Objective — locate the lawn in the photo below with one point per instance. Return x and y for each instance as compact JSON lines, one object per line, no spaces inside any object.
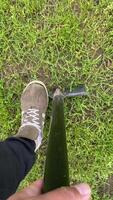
{"x":63,"y":43}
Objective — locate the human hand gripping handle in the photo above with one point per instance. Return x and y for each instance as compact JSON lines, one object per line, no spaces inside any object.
{"x":33,"y":192}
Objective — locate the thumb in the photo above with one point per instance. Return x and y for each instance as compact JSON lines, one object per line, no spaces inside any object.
{"x":77,"y":192}
{"x":33,"y":190}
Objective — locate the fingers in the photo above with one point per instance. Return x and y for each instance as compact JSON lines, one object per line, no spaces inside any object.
{"x":34,"y":189}
{"x":31,"y":191}
{"x":84,"y":190}
{"x":78,"y":192}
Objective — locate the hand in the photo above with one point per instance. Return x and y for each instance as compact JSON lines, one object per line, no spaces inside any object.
{"x":33,"y":192}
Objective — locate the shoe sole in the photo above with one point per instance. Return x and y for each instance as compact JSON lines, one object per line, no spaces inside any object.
{"x":39,"y":83}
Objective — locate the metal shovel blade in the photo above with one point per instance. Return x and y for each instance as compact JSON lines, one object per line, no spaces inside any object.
{"x":78,"y":91}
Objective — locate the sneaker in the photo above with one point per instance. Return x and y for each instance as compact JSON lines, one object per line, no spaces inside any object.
{"x":34,"y":102}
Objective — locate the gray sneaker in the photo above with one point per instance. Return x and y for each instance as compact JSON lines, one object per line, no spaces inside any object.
{"x":34,"y":102}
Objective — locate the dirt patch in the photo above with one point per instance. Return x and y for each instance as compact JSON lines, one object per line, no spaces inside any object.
{"x":96,"y":2}
{"x":76,"y":8}
{"x":44,"y":75}
{"x":106,"y":188}
{"x":25,"y":73}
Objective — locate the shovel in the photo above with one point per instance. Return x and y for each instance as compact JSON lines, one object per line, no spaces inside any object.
{"x":56,"y":173}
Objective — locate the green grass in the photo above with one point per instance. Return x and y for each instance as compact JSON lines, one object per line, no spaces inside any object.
{"x":63,"y":43}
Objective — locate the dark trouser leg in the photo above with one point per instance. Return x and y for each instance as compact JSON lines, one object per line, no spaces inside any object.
{"x":16,"y":159}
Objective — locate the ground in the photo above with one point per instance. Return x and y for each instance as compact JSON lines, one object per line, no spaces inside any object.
{"x":64,"y":43}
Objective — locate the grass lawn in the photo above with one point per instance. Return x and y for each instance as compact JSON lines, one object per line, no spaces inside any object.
{"x":63,"y":43}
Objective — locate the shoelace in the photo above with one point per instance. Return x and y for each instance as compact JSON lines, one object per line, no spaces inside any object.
{"x":33,"y":114}
{"x":31,"y":117}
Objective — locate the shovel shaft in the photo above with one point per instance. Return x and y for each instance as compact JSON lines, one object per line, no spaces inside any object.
{"x":56,"y":167}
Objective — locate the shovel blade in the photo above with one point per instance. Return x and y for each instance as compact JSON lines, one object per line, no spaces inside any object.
{"x":78,"y":91}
